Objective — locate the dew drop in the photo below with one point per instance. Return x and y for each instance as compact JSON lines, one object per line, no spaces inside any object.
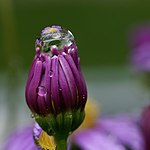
{"x":55,"y":36}
{"x":51,"y":74}
{"x":32,"y":116}
{"x":83,"y":97}
{"x":42,"y":91}
{"x":70,"y":50}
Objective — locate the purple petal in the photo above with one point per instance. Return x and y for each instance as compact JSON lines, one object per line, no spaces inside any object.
{"x":73,"y":51}
{"x":64,"y":88}
{"x":32,"y":90}
{"x":37,"y":130}
{"x":93,"y":140}
{"x":22,"y":140}
{"x":84,"y":87}
{"x":140,"y":35}
{"x":145,"y":124}
{"x":30,"y":76}
{"x":82,"y":93}
{"x":54,"y":85}
{"x":48,"y":83}
{"x":125,"y":130}
{"x":140,"y":58}
{"x":41,"y":101}
{"x":70,"y":79}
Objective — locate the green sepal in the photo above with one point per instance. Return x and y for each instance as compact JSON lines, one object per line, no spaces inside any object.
{"x":63,"y":123}
{"x":60,"y":120}
{"x":78,"y":118}
{"x":42,"y":122}
{"x":68,"y":117}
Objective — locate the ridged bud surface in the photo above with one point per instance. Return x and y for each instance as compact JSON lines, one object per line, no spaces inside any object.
{"x":55,"y":88}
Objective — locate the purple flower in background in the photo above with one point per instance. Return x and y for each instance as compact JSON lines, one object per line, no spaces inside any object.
{"x":37,"y":130}
{"x":140,"y":45}
{"x":145,"y":122}
{"x":126,"y":129}
{"x":112,"y":133}
{"x":92,"y":139}
{"x":140,"y":35}
{"x":20,"y":140}
{"x":55,"y":83}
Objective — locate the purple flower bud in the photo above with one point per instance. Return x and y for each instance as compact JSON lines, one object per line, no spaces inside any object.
{"x":55,"y":84}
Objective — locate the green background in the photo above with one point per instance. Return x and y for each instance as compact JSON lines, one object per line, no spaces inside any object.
{"x":101,"y":28}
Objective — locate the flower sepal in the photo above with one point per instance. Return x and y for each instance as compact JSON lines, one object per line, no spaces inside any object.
{"x":64,"y":123}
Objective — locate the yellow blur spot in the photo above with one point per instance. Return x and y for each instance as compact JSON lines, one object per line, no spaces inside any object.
{"x":92,"y":111}
{"x":46,"y":141}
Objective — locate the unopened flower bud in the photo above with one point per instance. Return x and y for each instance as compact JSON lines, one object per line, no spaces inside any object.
{"x":56,"y":91}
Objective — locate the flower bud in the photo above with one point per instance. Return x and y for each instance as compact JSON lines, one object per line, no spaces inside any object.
{"x":56,"y":91}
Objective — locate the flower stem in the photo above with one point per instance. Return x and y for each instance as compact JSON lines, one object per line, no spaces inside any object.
{"x":61,"y":145}
{"x":61,"y":142}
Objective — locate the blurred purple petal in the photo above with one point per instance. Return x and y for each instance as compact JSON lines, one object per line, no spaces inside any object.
{"x":21,"y":139}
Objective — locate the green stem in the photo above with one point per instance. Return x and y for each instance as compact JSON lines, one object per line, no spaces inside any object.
{"x":61,"y":142}
{"x":61,"y":145}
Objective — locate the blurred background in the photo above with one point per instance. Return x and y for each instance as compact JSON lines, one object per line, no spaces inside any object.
{"x":101,"y":29}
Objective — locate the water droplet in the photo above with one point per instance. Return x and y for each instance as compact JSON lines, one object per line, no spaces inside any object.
{"x":42,"y":91}
{"x":51,"y":74}
{"x":55,"y":36}
{"x":37,"y":49}
{"x":83,"y":97}
{"x":70,"y":50}
{"x":60,"y":89}
{"x":32,"y":116}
